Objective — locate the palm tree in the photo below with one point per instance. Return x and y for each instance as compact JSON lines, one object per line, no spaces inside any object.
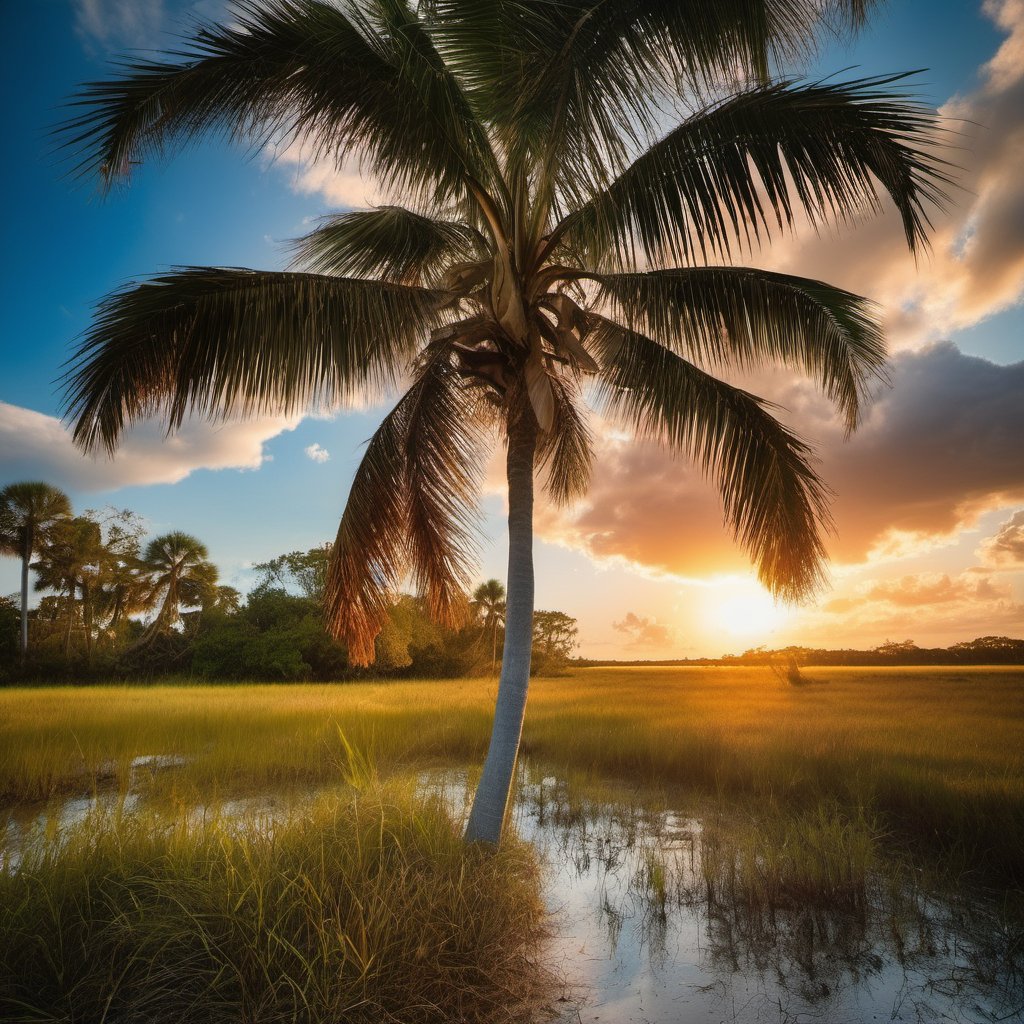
{"x":488,"y":605}
{"x":72,"y":562}
{"x":27,"y":511}
{"x":180,"y":575}
{"x":577,"y":179}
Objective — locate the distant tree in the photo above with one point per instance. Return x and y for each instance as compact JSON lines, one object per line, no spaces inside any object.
{"x":180,"y":576}
{"x":488,"y":607}
{"x":554,"y":639}
{"x":989,"y":643}
{"x":124,"y":590}
{"x":305,"y":571}
{"x":27,"y":511}
{"x":71,"y":563}
{"x":9,"y":632}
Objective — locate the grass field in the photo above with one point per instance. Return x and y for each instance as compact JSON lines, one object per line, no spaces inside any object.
{"x":364,"y":904}
{"x":936,"y":754}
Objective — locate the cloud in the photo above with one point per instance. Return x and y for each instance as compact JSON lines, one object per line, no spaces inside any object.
{"x":644,"y":632}
{"x":1005,"y":550}
{"x":119,"y":22}
{"x":342,"y":185}
{"x":976,"y":265}
{"x":316,"y":453}
{"x":938,"y":448}
{"x":931,"y":607}
{"x":36,"y":446}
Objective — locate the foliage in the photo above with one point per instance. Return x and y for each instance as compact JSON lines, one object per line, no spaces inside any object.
{"x":305,"y":571}
{"x":9,"y":621}
{"x":554,"y":639}
{"x":577,"y":180}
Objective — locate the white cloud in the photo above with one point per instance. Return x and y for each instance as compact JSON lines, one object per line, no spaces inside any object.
{"x":35,"y":446}
{"x":119,"y":22}
{"x":975,"y":268}
{"x":316,"y":453}
{"x":310,"y":174}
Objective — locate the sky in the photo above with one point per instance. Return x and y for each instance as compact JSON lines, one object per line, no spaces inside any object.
{"x":929,"y":493}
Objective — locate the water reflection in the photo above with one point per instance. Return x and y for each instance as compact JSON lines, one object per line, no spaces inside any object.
{"x":649,"y":931}
{"x":660,"y":916}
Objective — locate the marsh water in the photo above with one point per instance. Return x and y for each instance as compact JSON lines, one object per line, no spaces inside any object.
{"x":640,"y":935}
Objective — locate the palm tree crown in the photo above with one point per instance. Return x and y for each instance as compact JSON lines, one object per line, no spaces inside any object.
{"x":28,"y":511}
{"x":577,"y":178}
{"x":180,"y":576}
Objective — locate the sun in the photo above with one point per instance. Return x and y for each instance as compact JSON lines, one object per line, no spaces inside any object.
{"x":747,"y":610}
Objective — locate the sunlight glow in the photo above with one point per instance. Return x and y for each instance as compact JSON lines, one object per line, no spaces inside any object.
{"x":747,"y":610}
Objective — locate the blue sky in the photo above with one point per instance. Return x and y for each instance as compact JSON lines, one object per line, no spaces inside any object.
{"x":212,"y":205}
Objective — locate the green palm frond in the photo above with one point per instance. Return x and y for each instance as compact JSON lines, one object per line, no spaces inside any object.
{"x":359,"y":80}
{"x":773,"y":499}
{"x":600,"y":61}
{"x":410,"y":509}
{"x":747,"y":317}
{"x":735,"y":172}
{"x":390,"y":243}
{"x":234,"y":342}
{"x":566,"y":452}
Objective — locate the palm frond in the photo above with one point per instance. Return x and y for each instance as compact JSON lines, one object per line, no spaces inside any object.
{"x":747,"y":317}
{"x":566,"y":451}
{"x":773,"y":499}
{"x":389,"y":243}
{"x":233,"y":342}
{"x":736,"y":171}
{"x":345,"y":81}
{"x":524,"y":61}
{"x":410,"y":508}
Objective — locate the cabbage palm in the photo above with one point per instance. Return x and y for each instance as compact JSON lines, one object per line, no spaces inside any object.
{"x":180,"y":575}
{"x":488,"y":605}
{"x":72,"y":562}
{"x":27,"y":512}
{"x":575,"y":180}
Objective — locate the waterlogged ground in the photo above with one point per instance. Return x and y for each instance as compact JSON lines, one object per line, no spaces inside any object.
{"x":650,"y":922}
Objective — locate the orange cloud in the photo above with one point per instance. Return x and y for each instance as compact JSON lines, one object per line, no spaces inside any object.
{"x":1005,"y":550}
{"x":939,"y":447}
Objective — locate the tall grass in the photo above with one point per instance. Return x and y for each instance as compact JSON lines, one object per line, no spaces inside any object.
{"x":936,"y":755}
{"x":362,"y":908}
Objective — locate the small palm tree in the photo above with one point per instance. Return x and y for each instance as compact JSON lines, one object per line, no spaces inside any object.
{"x":488,"y":605}
{"x":27,"y":512}
{"x":180,"y":575}
{"x":577,"y":179}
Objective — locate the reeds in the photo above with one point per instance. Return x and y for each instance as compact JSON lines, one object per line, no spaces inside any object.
{"x":366,"y":907}
{"x":935,"y":755}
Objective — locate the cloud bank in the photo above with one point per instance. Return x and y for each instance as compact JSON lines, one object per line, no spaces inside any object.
{"x":939,"y":448}
{"x":35,"y":446}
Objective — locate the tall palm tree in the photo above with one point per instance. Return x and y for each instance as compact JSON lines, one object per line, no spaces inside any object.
{"x":488,"y":605}
{"x":27,"y":511}
{"x":180,"y":575}
{"x":577,"y":179}
{"x":72,"y":562}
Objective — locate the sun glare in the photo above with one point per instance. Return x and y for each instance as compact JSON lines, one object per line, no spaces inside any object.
{"x":748,"y":611}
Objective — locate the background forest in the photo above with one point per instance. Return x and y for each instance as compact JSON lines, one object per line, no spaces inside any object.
{"x":118,"y":602}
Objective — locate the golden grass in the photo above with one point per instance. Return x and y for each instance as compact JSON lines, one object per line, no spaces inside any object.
{"x":937,"y":754}
{"x":361,"y":908}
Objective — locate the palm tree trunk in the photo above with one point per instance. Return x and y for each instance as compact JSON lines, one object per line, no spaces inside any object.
{"x":25,"y":557}
{"x":492,"y":795}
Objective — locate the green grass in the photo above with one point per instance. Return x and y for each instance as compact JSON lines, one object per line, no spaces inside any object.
{"x":363,"y":908}
{"x":936,"y":755}
{"x":364,"y":904}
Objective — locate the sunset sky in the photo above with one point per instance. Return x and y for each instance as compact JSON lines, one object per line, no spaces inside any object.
{"x":929,"y":493}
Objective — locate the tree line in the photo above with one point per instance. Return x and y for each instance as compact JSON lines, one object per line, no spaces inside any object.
{"x":118,"y":604}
